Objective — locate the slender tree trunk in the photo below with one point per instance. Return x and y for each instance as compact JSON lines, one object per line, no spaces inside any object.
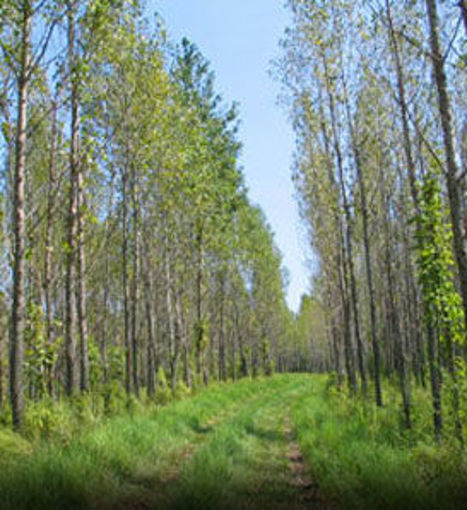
{"x":395,"y":333}
{"x":51,"y":190}
{"x":186,"y":364}
{"x":435,"y":381}
{"x":171,"y":324}
{"x":241,"y":348}
{"x":105,"y":314}
{"x":233,"y":356}
{"x":151,"y":358}
{"x":404,"y":112}
{"x":81,"y":286}
{"x":455,"y":390}
{"x":222,"y":362}
{"x":412,"y":180}
{"x":451,"y":164}
{"x":105,"y":324}
{"x":369,"y":270}
{"x":72,"y":374}
{"x":180,"y":339}
{"x":200,"y":326}
{"x":348,"y":347}
{"x":348,"y":231}
{"x":341,"y":267}
{"x":126,"y":292}
{"x":18,"y":301}
{"x":334,"y":339}
{"x":135,"y":286}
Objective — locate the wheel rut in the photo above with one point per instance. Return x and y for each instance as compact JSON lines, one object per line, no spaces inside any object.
{"x":308,"y":493}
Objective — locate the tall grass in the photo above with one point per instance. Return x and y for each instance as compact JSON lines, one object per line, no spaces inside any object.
{"x":116,"y":460}
{"x":227,"y":448}
{"x":364,"y":459}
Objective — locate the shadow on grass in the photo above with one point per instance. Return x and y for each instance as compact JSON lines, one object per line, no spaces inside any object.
{"x":264,"y":434}
{"x":197,"y":427}
{"x":206,"y":487}
{"x":280,"y":495}
{"x":206,"y":493}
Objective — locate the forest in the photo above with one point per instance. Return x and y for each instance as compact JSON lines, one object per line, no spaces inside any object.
{"x":149,"y":357}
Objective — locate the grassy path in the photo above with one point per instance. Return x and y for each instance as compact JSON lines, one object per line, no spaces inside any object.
{"x":245,"y":463}
{"x":285,"y":442}
{"x":225,"y":448}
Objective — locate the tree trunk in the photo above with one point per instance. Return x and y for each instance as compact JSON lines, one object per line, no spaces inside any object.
{"x":200,"y":325}
{"x":126,"y":305}
{"x":81,"y":286}
{"x":455,"y":389}
{"x":233,"y":355}
{"x":348,"y":230}
{"x":341,"y":267}
{"x":135,"y":286}
{"x":51,"y":190}
{"x":171,"y":324}
{"x":451,"y":164}
{"x":241,"y":348}
{"x":151,"y":358}
{"x":222,"y":362}
{"x":105,"y":312}
{"x":18,"y":301}
{"x":435,"y":381}
{"x":347,"y":247}
{"x":395,"y":333}
{"x":180,"y":338}
{"x":369,"y":270}
{"x":72,"y":374}
{"x":334,"y":334}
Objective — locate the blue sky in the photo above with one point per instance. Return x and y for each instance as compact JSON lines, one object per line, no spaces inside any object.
{"x":240,"y":38}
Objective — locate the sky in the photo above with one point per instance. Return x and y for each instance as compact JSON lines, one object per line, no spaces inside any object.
{"x":240,"y":38}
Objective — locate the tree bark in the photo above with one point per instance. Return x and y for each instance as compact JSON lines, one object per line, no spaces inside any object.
{"x":341,"y":267}
{"x":72,"y":374}
{"x":369,"y":269}
{"x":105,"y":320}
{"x":135,"y":285}
{"x":451,"y":164}
{"x":171,"y":324}
{"x":126,"y":292}
{"x":222,"y":361}
{"x":151,"y":357}
{"x":51,"y":190}
{"x":200,"y":325}
{"x":81,"y":286}
{"x":348,"y":255}
{"x":18,"y":301}
{"x":435,"y":382}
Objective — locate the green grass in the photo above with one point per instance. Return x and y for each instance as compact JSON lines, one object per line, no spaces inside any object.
{"x":244,"y":464}
{"x":116,"y":461}
{"x":364,"y":459}
{"x":227,"y":448}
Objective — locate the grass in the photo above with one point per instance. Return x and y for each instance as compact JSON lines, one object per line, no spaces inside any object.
{"x":116,"y":461}
{"x":363,"y":458}
{"x":244,"y":464}
{"x":228,"y":448}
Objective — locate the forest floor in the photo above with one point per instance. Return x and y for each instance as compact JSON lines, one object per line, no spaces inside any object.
{"x":287,"y":442}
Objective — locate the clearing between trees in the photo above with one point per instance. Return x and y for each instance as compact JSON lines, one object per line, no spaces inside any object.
{"x":288,"y":441}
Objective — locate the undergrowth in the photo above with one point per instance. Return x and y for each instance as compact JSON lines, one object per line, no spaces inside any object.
{"x":226,"y":448}
{"x":87,"y":461}
{"x":365,"y":459}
